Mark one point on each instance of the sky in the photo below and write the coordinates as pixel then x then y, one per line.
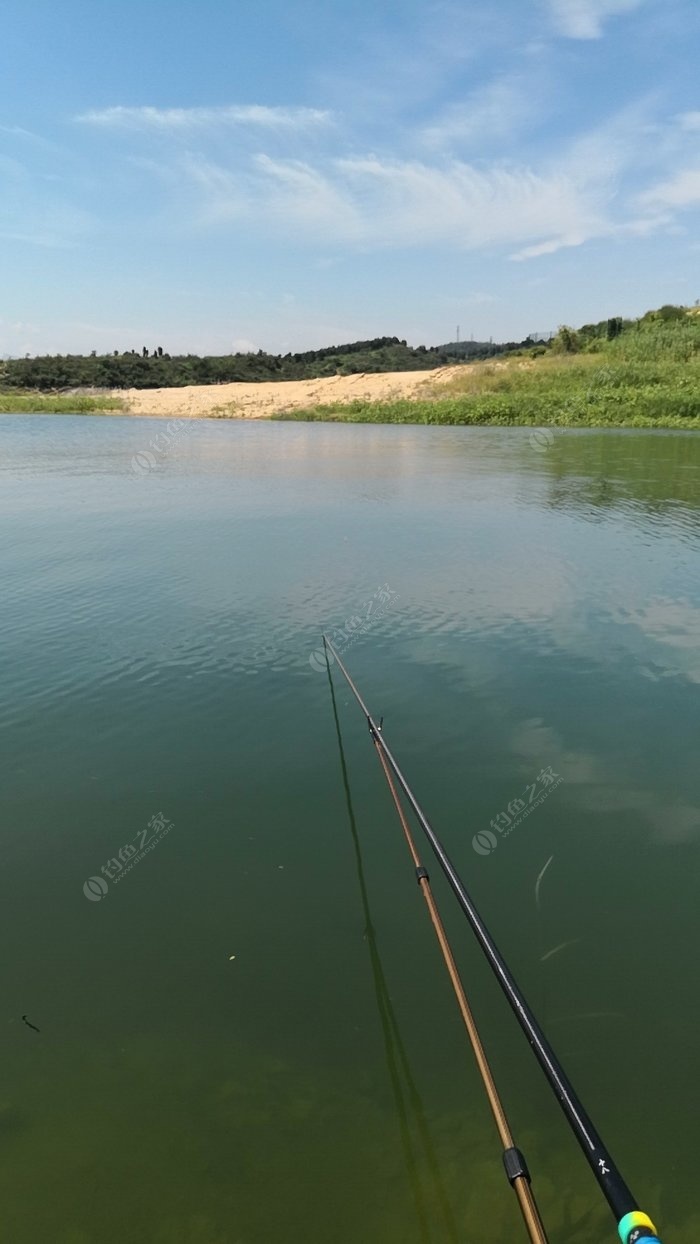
pixel 217 176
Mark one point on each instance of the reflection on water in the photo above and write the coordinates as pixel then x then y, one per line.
pixel 655 487
pixel 223 1057
pixel 409 1107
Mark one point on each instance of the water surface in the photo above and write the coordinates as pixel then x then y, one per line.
pixel 514 607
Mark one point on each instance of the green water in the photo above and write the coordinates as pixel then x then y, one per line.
pixel 524 607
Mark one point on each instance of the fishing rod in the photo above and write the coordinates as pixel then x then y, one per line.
pixel 513 1161
pixel 632 1223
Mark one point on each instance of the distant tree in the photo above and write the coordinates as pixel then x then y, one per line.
pixel 669 312
pixel 566 341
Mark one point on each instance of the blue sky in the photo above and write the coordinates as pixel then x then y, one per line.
pixel 215 176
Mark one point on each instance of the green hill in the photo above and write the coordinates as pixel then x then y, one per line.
pixel 638 373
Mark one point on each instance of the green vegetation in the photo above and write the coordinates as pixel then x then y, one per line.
pixel 643 373
pixel 640 373
pixel 54 403
pixel 157 370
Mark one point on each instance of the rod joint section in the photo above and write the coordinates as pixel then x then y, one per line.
pixel 515 1165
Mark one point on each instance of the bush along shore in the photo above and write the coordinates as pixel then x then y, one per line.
pixel 644 374
pixel 58 403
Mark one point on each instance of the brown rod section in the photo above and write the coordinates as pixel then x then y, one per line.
pixel 520 1183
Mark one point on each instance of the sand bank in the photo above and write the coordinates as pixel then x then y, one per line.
pixel 260 401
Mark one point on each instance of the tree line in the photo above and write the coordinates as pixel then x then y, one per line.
pixel 154 369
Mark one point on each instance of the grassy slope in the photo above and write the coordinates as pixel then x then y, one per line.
pixel 42 403
pixel 647 377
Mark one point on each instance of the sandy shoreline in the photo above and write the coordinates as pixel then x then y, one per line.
pixel 260 401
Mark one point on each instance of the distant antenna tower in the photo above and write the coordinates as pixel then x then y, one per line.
pixel 457 338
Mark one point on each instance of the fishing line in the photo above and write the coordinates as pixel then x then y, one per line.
pixel 400 1074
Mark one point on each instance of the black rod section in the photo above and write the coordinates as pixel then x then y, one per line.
pixel 635 1224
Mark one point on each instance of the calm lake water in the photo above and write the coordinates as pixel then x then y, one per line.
pixel 512 605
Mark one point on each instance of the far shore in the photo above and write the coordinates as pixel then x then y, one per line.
pixel 642 380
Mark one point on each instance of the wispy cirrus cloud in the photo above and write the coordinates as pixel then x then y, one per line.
pixel 384 201
pixel 185 120
pixel 585 19
pixel 499 110
pixel 689 121
pixel 387 202
pixel 255 168
pixel 680 191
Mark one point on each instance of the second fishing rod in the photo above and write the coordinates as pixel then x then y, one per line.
pixel 633 1225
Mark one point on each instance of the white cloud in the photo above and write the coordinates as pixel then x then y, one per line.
pixel 583 19
pixel 184 120
pixel 498 110
pixel 551 246
pixel 377 202
pixel 597 165
pixel 382 200
pixel 410 202
pixel 689 121
pixel 294 193
pixel 680 191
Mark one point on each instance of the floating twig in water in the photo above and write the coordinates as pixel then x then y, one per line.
pixel 539 881
pixel 562 946
pixel 32 1026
